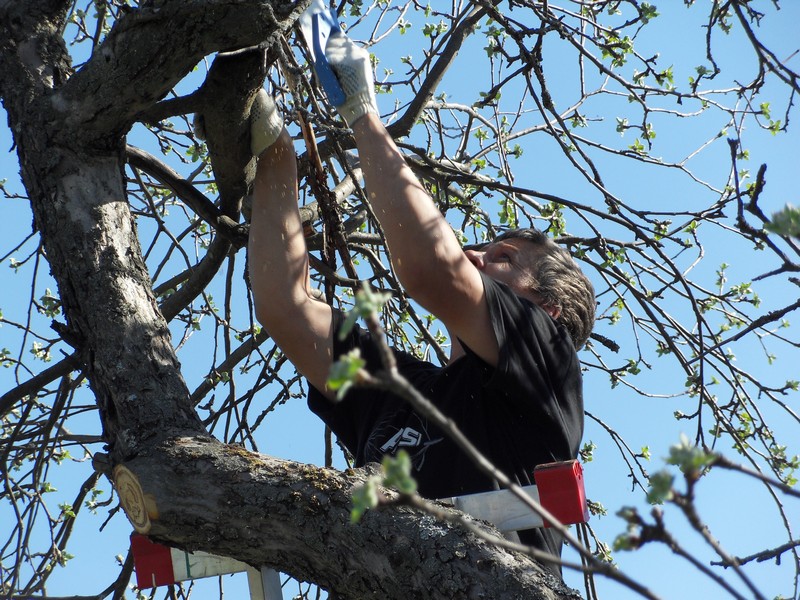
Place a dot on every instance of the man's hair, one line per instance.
(559, 281)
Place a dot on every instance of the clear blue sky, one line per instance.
(735, 517)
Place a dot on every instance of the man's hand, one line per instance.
(266, 123)
(353, 69)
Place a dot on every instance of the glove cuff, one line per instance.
(357, 106)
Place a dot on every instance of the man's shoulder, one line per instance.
(517, 317)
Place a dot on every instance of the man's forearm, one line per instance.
(278, 263)
(419, 238)
(277, 249)
(426, 254)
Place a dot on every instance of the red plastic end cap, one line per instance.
(561, 491)
(153, 562)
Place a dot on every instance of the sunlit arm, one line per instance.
(278, 266)
(426, 254)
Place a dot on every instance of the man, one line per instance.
(516, 310)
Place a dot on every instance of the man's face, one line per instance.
(512, 262)
(509, 261)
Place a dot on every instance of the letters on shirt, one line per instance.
(404, 438)
(388, 438)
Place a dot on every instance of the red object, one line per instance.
(561, 491)
(153, 562)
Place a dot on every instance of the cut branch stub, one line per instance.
(138, 507)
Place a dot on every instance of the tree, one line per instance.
(137, 244)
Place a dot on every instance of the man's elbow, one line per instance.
(431, 281)
(278, 313)
(272, 311)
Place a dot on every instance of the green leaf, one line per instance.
(785, 222)
(690, 459)
(637, 146)
(587, 452)
(355, 8)
(629, 540)
(648, 12)
(432, 30)
(51, 305)
(660, 487)
(596, 508)
(364, 498)
(616, 49)
(344, 372)
(60, 457)
(41, 352)
(67, 510)
(5, 353)
(367, 303)
(625, 543)
(397, 473)
(665, 78)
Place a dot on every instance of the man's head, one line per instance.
(537, 268)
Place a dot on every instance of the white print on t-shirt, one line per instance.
(404, 438)
(418, 441)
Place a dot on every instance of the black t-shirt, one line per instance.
(526, 411)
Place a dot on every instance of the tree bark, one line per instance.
(199, 494)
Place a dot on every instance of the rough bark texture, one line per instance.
(295, 517)
(200, 494)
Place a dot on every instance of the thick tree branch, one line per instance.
(169, 38)
(202, 495)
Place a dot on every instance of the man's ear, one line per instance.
(552, 310)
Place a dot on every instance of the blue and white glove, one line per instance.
(353, 69)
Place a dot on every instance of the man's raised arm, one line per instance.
(426, 254)
(277, 253)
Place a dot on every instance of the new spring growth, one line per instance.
(396, 471)
(368, 302)
(345, 371)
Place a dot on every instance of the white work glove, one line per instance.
(266, 123)
(353, 69)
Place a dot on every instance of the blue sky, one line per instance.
(735, 512)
